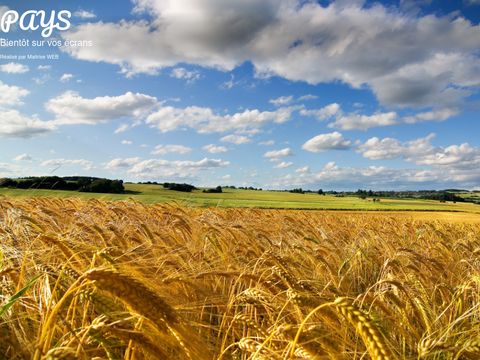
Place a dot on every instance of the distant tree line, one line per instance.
(179, 187)
(442, 195)
(217, 190)
(69, 183)
(302, 191)
(297, 191)
(243, 188)
(183, 187)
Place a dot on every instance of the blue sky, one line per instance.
(269, 93)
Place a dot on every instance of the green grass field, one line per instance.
(258, 199)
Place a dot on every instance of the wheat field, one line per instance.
(87, 279)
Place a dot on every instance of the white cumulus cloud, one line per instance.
(324, 113)
(235, 139)
(119, 163)
(184, 74)
(11, 95)
(434, 115)
(66, 77)
(14, 68)
(171, 149)
(173, 169)
(215, 149)
(308, 97)
(122, 128)
(57, 163)
(303, 170)
(277, 154)
(283, 165)
(282, 100)
(205, 120)
(364, 122)
(70, 108)
(15, 124)
(23, 157)
(84, 14)
(422, 152)
(324, 142)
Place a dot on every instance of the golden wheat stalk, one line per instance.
(374, 340)
(135, 294)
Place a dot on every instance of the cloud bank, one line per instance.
(405, 59)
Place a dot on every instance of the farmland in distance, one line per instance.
(151, 194)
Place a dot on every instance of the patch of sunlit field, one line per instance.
(90, 279)
(438, 216)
